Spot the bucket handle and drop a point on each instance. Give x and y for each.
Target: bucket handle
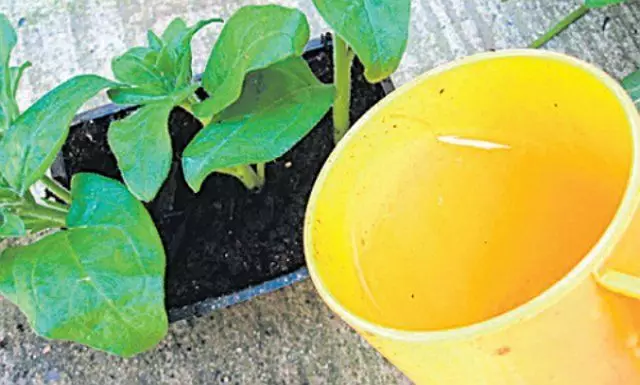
(620, 283)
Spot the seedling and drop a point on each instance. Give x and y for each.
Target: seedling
(158, 78)
(375, 31)
(99, 280)
(570, 19)
(263, 99)
(263, 96)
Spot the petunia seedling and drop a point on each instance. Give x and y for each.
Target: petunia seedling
(98, 279)
(262, 100)
(158, 77)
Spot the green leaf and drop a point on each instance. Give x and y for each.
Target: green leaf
(142, 146)
(4, 120)
(141, 96)
(601, 3)
(174, 30)
(632, 85)
(8, 106)
(11, 226)
(15, 74)
(100, 283)
(377, 31)
(255, 37)
(135, 95)
(176, 56)
(31, 144)
(278, 107)
(8, 39)
(159, 71)
(137, 67)
(155, 43)
(9, 198)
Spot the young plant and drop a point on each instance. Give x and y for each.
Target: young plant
(158, 78)
(99, 279)
(570, 19)
(263, 100)
(375, 31)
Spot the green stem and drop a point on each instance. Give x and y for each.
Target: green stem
(56, 216)
(56, 205)
(342, 78)
(188, 106)
(12, 110)
(57, 189)
(246, 175)
(561, 26)
(262, 174)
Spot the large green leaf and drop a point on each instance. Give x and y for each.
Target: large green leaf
(601, 3)
(255, 37)
(142, 146)
(278, 107)
(377, 31)
(632, 85)
(100, 283)
(32, 142)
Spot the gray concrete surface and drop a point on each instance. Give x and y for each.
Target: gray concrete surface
(288, 337)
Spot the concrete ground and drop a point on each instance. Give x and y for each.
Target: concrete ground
(288, 337)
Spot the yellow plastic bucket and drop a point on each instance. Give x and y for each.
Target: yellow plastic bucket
(481, 225)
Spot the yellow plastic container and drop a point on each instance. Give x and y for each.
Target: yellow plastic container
(481, 225)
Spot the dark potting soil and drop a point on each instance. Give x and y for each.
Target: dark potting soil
(226, 238)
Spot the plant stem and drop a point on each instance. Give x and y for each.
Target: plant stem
(56, 216)
(57, 189)
(56, 205)
(246, 175)
(561, 26)
(342, 59)
(13, 110)
(261, 171)
(187, 105)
